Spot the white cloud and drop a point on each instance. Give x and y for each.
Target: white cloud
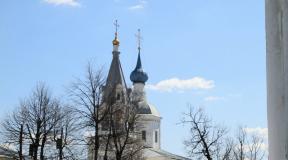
(72, 3)
(213, 98)
(176, 84)
(263, 132)
(139, 6)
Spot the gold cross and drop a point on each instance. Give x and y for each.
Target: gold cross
(116, 27)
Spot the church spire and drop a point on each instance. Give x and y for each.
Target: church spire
(115, 76)
(138, 75)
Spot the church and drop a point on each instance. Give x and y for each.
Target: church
(150, 117)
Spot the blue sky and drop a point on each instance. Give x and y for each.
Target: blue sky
(222, 42)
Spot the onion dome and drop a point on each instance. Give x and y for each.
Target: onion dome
(115, 42)
(138, 75)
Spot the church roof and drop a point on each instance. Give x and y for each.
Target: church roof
(159, 154)
(115, 75)
(145, 108)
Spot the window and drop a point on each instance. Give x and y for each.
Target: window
(118, 96)
(156, 137)
(144, 135)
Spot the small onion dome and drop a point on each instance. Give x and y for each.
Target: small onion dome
(138, 75)
(115, 42)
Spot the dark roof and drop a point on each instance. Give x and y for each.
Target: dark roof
(115, 77)
(144, 108)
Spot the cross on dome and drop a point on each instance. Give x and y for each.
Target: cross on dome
(139, 38)
(116, 41)
(138, 75)
(116, 26)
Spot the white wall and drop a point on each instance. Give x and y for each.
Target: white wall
(151, 124)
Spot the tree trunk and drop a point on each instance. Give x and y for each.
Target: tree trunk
(61, 153)
(96, 142)
(61, 147)
(107, 145)
(35, 151)
(118, 156)
(42, 147)
(20, 143)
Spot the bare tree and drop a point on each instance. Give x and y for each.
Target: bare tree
(41, 114)
(65, 134)
(110, 120)
(87, 97)
(256, 151)
(33, 122)
(13, 131)
(204, 137)
(241, 141)
(224, 151)
(248, 146)
(125, 129)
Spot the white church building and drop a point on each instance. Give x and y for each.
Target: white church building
(150, 118)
